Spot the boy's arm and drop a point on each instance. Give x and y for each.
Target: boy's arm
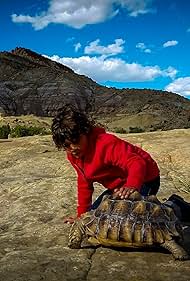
(136, 171)
(84, 197)
(85, 191)
(120, 153)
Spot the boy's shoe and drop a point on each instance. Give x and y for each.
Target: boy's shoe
(183, 205)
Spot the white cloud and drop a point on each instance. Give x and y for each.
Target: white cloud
(170, 43)
(148, 51)
(180, 86)
(136, 7)
(77, 46)
(70, 39)
(103, 69)
(79, 13)
(113, 49)
(170, 72)
(143, 48)
(140, 46)
(22, 18)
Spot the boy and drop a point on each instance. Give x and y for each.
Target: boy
(101, 157)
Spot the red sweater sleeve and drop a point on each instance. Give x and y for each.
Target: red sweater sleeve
(122, 154)
(85, 190)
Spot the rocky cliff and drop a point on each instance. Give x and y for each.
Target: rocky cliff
(33, 84)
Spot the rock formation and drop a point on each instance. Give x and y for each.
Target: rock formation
(33, 84)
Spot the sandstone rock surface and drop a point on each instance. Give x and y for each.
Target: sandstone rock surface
(38, 189)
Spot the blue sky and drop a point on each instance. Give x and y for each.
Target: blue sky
(120, 43)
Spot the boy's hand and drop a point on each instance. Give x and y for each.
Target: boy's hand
(123, 192)
(69, 220)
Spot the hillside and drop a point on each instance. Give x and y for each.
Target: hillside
(33, 84)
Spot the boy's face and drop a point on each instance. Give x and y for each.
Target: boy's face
(79, 148)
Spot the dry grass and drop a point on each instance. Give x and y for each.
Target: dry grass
(28, 120)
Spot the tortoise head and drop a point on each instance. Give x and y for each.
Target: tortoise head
(76, 235)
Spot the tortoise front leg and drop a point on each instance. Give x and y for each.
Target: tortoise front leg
(177, 251)
(76, 235)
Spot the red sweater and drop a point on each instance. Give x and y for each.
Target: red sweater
(113, 163)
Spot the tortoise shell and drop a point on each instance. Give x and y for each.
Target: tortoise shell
(134, 222)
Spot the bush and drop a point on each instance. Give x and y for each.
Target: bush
(23, 131)
(136, 130)
(120, 130)
(5, 131)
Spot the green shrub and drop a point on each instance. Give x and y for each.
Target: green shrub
(120, 130)
(23, 131)
(136, 130)
(4, 131)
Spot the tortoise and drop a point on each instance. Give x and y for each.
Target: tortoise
(134, 222)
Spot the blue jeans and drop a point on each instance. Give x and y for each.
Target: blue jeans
(148, 188)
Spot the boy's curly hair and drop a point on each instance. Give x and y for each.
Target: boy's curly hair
(69, 124)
